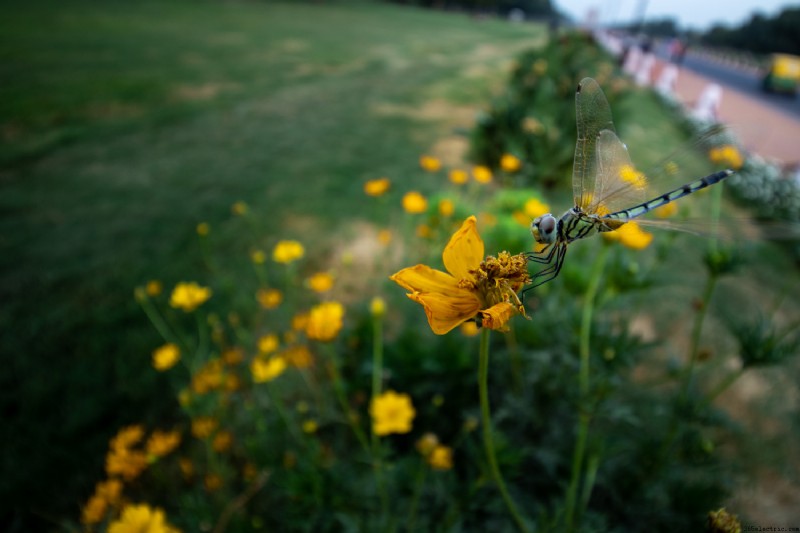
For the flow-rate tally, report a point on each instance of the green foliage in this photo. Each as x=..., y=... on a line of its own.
x=760, y=34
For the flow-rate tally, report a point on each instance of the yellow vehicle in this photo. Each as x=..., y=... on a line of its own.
x=783, y=75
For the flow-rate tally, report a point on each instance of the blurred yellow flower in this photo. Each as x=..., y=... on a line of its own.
x=298, y=356
x=666, y=210
x=473, y=285
x=203, y=229
x=233, y=356
x=264, y=370
x=258, y=257
x=535, y=208
x=423, y=231
x=268, y=343
x=222, y=441
x=384, y=236
x=426, y=443
x=153, y=287
x=189, y=296
x=630, y=235
x=377, y=307
x=204, y=426
x=165, y=357
x=325, y=321
x=446, y=207
x=126, y=463
x=482, y=174
x=161, y=443
x=127, y=437
x=441, y=458
x=521, y=218
x=458, y=176
x=510, y=163
x=414, y=203
x=721, y=521
x=391, y=413
x=208, y=377
x=321, y=282
x=141, y=519
x=377, y=187
x=287, y=251
x=470, y=329
x=300, y=321
x=310, y=426
x=488, y=219
x=186, y=466
x=430, y=163
x=727, y=155
x=269, y=298
x=106, y=493
x=630, y=175
x=239, y=208
x=212, y=482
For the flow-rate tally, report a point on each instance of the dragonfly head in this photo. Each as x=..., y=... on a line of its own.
x=543, y=229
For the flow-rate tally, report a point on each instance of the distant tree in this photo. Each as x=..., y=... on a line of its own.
x=761, y=34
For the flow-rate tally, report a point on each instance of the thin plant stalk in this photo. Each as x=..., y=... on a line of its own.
x=583, y=387
x=377, y=374
x=488, y=440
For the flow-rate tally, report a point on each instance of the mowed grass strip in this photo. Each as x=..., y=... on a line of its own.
x=125, y=124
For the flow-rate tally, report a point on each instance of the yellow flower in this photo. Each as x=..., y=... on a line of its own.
x=377, y=187
x=509, y=163
x=310, y=426
x=153, y=287
x=298, y=356
x=458, y=176
x=446, y=207
x=212, y=482
x=268, y=343
x=521, y=218
x=426, y=443
x=161, y=443
x=630, y=175
x=165, y=357
x=535, y=208
x=222, y=441
x=300, y=321
x=666, y=210
x=721, y=521
x=441, y=458
x=482, y=174
x=258, y=257
x=727, y=155
x=186, y=466
x=391, y=413
x=94, y=511
x=264, y=370
x=287, y=251
x=233, y=356
x=269, y=298
x=325, y=321
x=414, y=203
x=125, y=463
x=474, y=286
x=630, y=235
x=141, y=519
x=204, y=426
x=429, y=163
x=208, y=377
x=384, y=236
x=321, y=282
x=377, y=307
x=189, y=296
x=469, y=329
x=127, y=437
x=239, y=208
x=423, y=231
x=203, y=229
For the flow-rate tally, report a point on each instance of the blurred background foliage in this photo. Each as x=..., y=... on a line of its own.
x=168, y=114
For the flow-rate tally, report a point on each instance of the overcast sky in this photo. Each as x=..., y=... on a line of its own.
x=698, y=14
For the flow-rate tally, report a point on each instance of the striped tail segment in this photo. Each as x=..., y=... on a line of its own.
x=680, y=192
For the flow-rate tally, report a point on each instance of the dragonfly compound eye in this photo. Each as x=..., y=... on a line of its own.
x=543, y=228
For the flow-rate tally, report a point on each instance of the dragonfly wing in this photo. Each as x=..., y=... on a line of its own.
x=618, y=185
x=593, y=116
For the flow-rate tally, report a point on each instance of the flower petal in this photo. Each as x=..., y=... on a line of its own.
x=422, y=278
x=498, y=315
x=464, y=252
x=445, y=312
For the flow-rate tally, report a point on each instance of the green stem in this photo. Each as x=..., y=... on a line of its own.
x=486, y=422
x=697, y=330
x=412, y=511
x=338, y=387
x=583, y=385
x=377, y=374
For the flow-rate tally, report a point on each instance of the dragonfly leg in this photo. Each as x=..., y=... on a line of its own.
x=549, y=273
x=544, y=256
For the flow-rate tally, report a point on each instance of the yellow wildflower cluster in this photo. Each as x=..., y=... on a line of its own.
x=482, y=174
x=106, y=495
x=630, y=235
x=727, y=155
x=189, y=296
x=209, y=377
x=325, y=321
x=287, y=251
x=458, y=176
x=391, y=413
x=269, y=298
x=141, y=518
x=162, y=443
x=430, y=163
x=122, y=459
x=266, y=369
x=437, y=455
x=629, y=174
x=321, y=282
x=166, y=356
x=204, y=426
x=510, y=163
x=414, y=203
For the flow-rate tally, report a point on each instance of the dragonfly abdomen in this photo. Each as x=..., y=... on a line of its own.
x=680, y=192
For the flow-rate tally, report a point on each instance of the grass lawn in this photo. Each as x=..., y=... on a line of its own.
x=124, y=124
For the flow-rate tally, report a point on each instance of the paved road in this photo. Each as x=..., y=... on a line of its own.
x=744, y=81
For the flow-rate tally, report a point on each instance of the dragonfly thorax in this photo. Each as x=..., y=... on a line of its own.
x=544, y=229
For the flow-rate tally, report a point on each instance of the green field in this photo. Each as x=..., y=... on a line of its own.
x=125, y=124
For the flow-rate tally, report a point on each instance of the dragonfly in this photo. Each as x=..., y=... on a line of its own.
x=607, y=189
